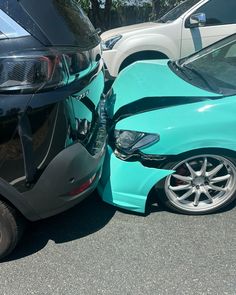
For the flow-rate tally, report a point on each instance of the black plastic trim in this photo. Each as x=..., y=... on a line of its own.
x=25, y=133
x=90, y=105
x=10, y=194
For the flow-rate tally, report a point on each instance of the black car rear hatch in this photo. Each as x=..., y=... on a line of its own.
x=53, y=22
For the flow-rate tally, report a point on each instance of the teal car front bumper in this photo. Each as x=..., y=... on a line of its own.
x=127, y=184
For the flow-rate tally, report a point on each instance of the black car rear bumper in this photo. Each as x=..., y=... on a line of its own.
x=69, y=177
x=68, y=171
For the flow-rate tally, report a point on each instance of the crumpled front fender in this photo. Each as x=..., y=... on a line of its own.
x=127, y=184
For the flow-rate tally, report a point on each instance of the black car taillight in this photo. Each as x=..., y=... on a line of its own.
x=41, y=70
x=76, y=62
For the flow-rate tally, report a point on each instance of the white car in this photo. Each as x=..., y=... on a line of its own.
x=187, y=28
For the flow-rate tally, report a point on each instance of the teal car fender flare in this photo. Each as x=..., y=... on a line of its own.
x=131, y=191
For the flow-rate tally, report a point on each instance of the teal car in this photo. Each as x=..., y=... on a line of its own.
x=173, y=133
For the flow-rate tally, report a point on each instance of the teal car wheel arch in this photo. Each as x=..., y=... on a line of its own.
x=132, y=190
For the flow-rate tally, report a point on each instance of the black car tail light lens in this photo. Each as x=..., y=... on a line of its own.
x=83, y=187
x=41, y=70
x=130, y=141
x=76, y=62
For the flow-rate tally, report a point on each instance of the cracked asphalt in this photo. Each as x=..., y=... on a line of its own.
x=96, y=249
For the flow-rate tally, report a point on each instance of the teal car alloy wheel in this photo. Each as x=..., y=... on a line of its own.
x=201, y=184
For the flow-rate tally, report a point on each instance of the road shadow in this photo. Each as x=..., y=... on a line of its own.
x=86, y=218
x=153, y=207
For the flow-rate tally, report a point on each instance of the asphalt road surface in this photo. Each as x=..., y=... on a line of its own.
x=97, y=249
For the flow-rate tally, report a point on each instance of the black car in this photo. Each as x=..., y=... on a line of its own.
x=53, y=135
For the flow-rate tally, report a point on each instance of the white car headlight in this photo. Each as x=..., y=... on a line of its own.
x=108, y=44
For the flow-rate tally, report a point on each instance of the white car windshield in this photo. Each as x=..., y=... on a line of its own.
x=177, y=11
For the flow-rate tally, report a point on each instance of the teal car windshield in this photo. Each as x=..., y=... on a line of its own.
x=213, y=68
x=177, y=11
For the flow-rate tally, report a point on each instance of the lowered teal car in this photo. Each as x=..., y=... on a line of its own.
x=173, y=133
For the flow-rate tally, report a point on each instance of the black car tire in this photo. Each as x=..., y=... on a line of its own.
x=12, y=225
x=211, y=202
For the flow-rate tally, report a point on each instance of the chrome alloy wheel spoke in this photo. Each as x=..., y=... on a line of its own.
x=192, y=172
x=197, y=197
x=208, y=195
x=187, y=194
x=217, y=188
x=220, y=178
x=183, y=178
x=180, y=187
x=204, y=168
x=214, y=171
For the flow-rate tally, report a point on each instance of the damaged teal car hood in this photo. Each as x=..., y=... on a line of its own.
x=152, y=78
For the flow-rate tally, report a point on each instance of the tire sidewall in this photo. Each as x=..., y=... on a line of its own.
x=7, y=239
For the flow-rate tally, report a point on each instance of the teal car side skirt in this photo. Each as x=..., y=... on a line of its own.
x=131, y=191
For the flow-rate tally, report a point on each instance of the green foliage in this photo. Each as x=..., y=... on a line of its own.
x=147, y=11
x=164, y=4
x=85, y=4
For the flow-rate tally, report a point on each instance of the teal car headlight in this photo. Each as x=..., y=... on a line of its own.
x=110, y=43
x=131, y=141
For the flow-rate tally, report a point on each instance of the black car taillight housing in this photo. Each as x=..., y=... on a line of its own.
x=41, y=70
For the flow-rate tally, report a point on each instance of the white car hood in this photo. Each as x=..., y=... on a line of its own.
x=128, y=29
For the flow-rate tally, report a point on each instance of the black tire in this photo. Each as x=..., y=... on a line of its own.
x=169, y=201
x=12, y=225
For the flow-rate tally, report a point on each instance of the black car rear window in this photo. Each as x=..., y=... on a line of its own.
x=62, y=22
